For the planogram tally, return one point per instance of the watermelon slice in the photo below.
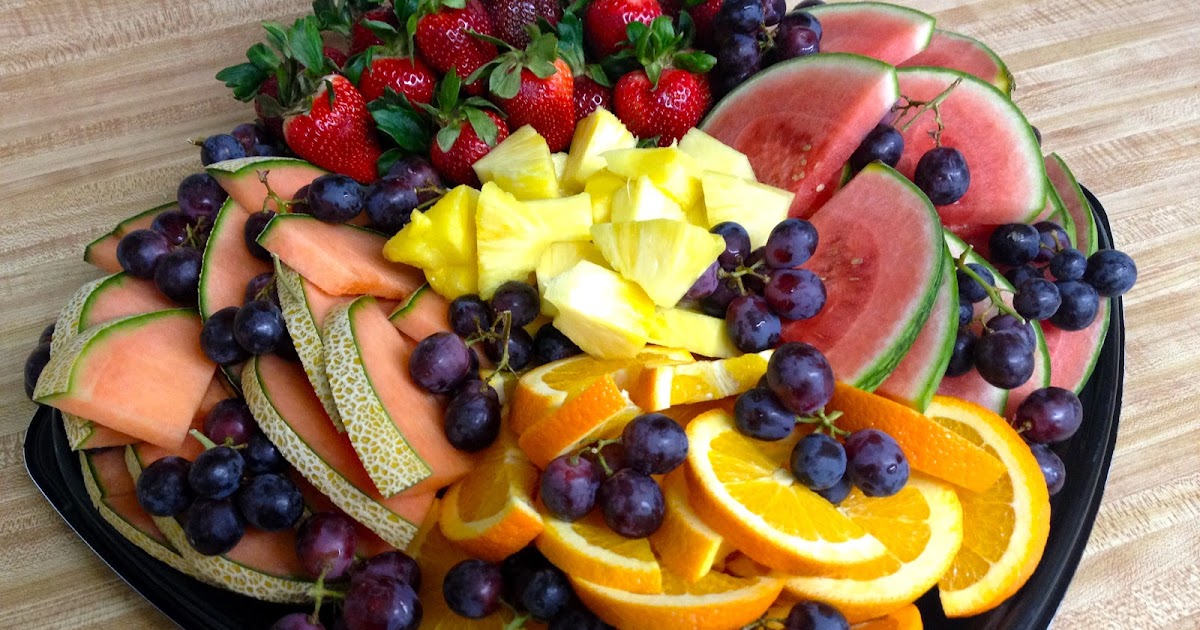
(423, 314)
(956, 51)
(882, 265)
(1008, 180)
(228, 264)
(304, 309)
(241, 178)
(1086, 238)
(887, 32)
(290, 414)
(979, 236)
(800, 120)
(915, 380)
(340, 259)
(102, 252)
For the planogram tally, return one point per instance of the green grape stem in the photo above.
(282, 206)
(993, 293)
(203, 439)
(319, 594)
(824, 422)
(595, 448)
(923, 106)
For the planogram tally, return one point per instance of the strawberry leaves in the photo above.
(504, 71)
(410, 126)
(294, 56)
(660, 46)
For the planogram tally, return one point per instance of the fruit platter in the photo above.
(712, 314)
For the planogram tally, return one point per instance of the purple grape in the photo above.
(791, 243)
(800, 376)
(417, 171)
(213, 526)
(469, 315)
(251, 231)
(1037, 299)
(943, 176)
(518, 569)
(818, 461)
(966, 311)
(802, 19)
(260, 288)
(258, 326)
(717, 303)
(440, 362)
(325, 545)
(739, 55)
(335, 198)
(737, 244)
(795, 293)
(882, 144)
(773, 11)
(1049, 415)
(1079, 306)
(1110, 272)
(609, 459)
(577, 617)
(838, 492)
(969, 288)
(1004, 321)
(162, 488)
(632, 503)
(389, 203)
(219, 148)
(47, 333)
(1068, 264)
(286, 349)
(379, 603)
(1053, 470)
(569, 486)
(546, 594)
(1018, 276)
(472, 419)
(216, 473)
(1052, 238)
(177, 275)
(519, 299)
(217, 339)
(174, 225)
(299, 201)
(1004, 358)
(705, 284)
(1014, 244)
(875, 463)
(811, 615)
(758, 414)
(396, 565)
(35, 363)
(738, 16)
(140, 251)
(519, 345)
(249, 135)
(270, 502)
(751, 324)
(230, 422)
(654, 444)
(755, 282)
(962, 357)
(262, 456)
(297, 621)
(200, 197)
(550, 344)
(472, 588)
(795, 41)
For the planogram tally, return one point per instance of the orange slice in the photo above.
(931, 448)
(686, 545)
(683, 414)
(669, 385)
(716, 602)
(489, 513)
(544, 389)
(922, 528)
(601, 410)
(1005, 526)
(589, 550)
(746, 493)
(906, 618)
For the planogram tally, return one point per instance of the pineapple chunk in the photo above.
(601, 187)
(692, 331)
(599, 132)
(452, 281)
(560, 163)
(713, 155)
(441, 238)
(513, 234)
(641, 200)
(664, 257)
(522, 165)
(603, 313)
(559, 258)
(672, 170)
(757, 207)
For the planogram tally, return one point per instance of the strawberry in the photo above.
(606, 20)
(592, 88)
(534, 87)
(272, 123)
(390, 64)
(513, 17)
(361, 35)
(703, 14)
(444, 37)
(336, 56)
(590, 96)
(336, 132)
(671, 94)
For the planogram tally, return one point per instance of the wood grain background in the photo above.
(98, 99)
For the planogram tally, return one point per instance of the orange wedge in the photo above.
(489, 513)
(931, 448)
(683, 414)
(1005, 526)
(716, 602)
(544, 389)
(922, 528)
(669, 385)
(601, 410)
(746, 493)
(686, 545)
(906, 618)
(589, 550)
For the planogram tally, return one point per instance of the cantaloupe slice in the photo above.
(102, 252)
(219, 389)
(341, 259)
(228, 264)
(290, 414)
(143, 375)
(241, 179)
(304, 307)
(423, 314)
(394, 425)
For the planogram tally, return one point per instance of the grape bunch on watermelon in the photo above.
(611, 314)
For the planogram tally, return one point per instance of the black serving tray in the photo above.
(193, 605)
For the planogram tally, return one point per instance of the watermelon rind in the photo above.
(1059, 212)
(1003, 79)
(923, 23)
(306, 336)
(1087, 239)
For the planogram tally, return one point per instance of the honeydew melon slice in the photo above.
(241, 179)
(102, 252)
(228, 264)
(883, 31)
(143, 375)
(394, 425)
(956, 51)
(290, 414)
(304, 307)
(423, 314)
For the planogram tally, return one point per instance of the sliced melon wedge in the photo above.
(228, 265)
(1076, 204)
(241, 178)
(304, 307)
(423, 314)
(102, 252)
(880, 30)
(956, 51)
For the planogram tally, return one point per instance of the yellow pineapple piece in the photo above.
(672, 170)
(599, 132)
(452, 281)
(757, 207)
(692, 331)
(560, 164)
(522, 165)
(512, 234)
(602, 186)
(559, 258)
(641, 200)
(713, 155)
(664, 257)
(439, 239)
(603, 313)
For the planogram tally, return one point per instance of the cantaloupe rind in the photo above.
(306, 335)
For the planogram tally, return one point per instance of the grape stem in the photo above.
(281, 206)
(993, 293)
(924, 106)
(203, 439)
(319, 593)
(824, 422)
(595, 448)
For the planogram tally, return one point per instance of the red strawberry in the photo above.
(511, 17)
(702, 12)
(361, 37)
(534, 87)
(336, 56)
(410, 77)
(443, 36)
(605, 22)
(454, 162)
(590, 96)
(337, 135)
(272, 123)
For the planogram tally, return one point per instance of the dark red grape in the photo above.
(230, 422)
(335, 198)
(759, 414)
(1004, 358)
(35, 363)
(389, 203)
(751, 324)
(791, 243)
(838, 492)
(417, 171)
(1053, 238)
(140, 251)
(1068, 264)
(1014, 244)
(258, 326)
(219, 148)
(717, 303)
(174, 225)
(177, 275)
(297, 621)
(379, 603)
(472, 588)
(472, 419)
(882, 144)
(286, 349)
(737, 244)
(969, 288)
(260, 288)
(550, 344)
(162, 488)
(943, 176)
(217, 340)
(396, 565)
(811, 615)
(1079, 306)
(251, 231)
(1110, 272)
(546, 594)
(569, 486)
(213, 526)
(325, 545)
(875, 463)
(1037, 299)
(654, 444)
(270, 502)
(519, 299)
(800, 376)
(217, 472)
(962, 357)
(200, 197)
(795, 293)
(249, 135)
(818, 461)
(262, 456)
(469, 315)
(1049, 415)
(773, 11)
(705, 284)
(440, 362)
(1020, 275)
(795, 41)
(1053, 470)
(519, 346)
(632, 503)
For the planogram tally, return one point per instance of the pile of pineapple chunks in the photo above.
(613, 235)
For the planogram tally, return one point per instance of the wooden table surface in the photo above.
(98, 99)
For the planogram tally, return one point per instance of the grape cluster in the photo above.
(1003, 352)
(1049, 416)
(615, 475)
(752, 34)
(239, 479)
(410, 184)
(246, 140)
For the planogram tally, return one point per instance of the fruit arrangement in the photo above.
(715, 314)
